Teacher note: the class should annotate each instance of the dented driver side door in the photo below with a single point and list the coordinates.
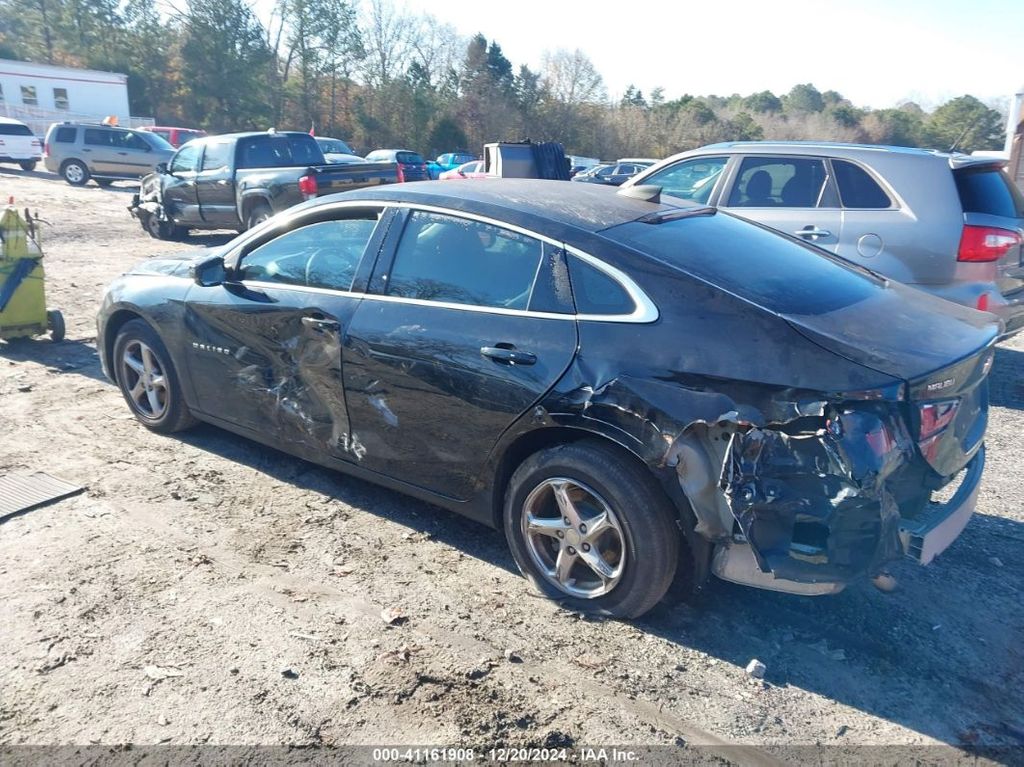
(264, 348)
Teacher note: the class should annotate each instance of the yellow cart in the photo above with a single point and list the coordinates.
(23, 311)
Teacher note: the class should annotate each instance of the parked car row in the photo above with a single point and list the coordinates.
(613, 174)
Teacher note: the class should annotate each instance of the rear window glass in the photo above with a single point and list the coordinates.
(856, 187)
(278, 151)
(65, 136)
(752, 262)
(988, 190)
(594, 292)
(411, 158)
(13, 129)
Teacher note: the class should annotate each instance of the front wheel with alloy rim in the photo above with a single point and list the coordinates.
(75, 172)
(148, 380)
(589, 526)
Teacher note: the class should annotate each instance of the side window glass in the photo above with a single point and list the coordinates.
(134, 141)
(217, 155)
(98, 137)
(321, 255)
(856, 187)
(595, 292)
(444, 258)
(778, 182)
(185, 160)
(65, 136)
(691, 179)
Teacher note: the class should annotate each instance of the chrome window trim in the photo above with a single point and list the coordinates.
(645, 310)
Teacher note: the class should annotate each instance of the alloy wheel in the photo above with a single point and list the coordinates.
(144, 379)
(574, 538)
(74, 173)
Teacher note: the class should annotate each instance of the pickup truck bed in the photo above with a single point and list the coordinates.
(235, 181)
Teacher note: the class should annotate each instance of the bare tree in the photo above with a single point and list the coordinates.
(388, 35)
(571, 78)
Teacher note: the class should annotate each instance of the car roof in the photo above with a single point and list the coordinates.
(522, 202)
(838, 149)
(10, 121)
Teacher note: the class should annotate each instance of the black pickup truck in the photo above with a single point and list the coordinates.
(236, 180)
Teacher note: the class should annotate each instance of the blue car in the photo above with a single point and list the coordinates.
(449, 161)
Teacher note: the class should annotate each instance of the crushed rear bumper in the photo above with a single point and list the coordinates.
(922, 539)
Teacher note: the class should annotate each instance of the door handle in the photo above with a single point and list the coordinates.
(813, 232)
(321, 324)
(222, 182)
(509, 356)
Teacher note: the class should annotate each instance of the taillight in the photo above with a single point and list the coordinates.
(46, 149)
(982, 304)
(308, 186)
(401, 173)
(981, 244)
(935, 417)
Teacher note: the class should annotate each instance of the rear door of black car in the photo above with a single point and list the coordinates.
(456, 338)
(264, 348)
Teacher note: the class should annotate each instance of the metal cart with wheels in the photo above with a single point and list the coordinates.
(23, 312)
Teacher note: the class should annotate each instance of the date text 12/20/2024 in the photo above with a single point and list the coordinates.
(463, 755)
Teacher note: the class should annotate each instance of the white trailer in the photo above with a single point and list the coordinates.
(41, 94)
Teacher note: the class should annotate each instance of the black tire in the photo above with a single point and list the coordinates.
(171, 413)
(647, 539)
(258, 213)
(75, 172)
(55, 323)
(103, 182)
(161, 230)
(28, 165)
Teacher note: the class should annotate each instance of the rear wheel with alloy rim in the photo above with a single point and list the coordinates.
(588, 525)
(148, 380)
(75, 172)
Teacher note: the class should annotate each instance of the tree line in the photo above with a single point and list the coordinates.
(380, 76)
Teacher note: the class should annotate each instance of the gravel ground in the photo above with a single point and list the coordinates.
(205, 589)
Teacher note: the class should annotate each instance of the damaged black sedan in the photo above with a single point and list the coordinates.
(637, 393)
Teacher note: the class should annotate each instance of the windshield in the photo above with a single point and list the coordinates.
(334, 146)
(752, 262)
(155, 141)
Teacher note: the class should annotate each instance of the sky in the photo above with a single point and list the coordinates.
(875, 53)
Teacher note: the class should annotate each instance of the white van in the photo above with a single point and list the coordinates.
(18, 144)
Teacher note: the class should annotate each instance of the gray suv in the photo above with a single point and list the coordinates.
(948, 224)
(104, 153)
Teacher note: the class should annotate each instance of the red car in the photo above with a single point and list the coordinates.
(175, 136)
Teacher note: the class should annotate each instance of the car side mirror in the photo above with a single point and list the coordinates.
(161, 167)
(209, 272)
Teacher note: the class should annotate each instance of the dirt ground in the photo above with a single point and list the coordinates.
(205, 589)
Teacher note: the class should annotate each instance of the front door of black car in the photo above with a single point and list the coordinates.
(214, 185)
(264, 348)
(445, 352)
(179, 193)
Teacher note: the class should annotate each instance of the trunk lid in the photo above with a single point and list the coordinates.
(943, 351)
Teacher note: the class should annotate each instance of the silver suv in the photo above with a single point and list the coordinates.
(105, 153)
(951, 225)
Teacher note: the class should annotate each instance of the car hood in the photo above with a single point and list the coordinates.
(900, 331)
(172, 264)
